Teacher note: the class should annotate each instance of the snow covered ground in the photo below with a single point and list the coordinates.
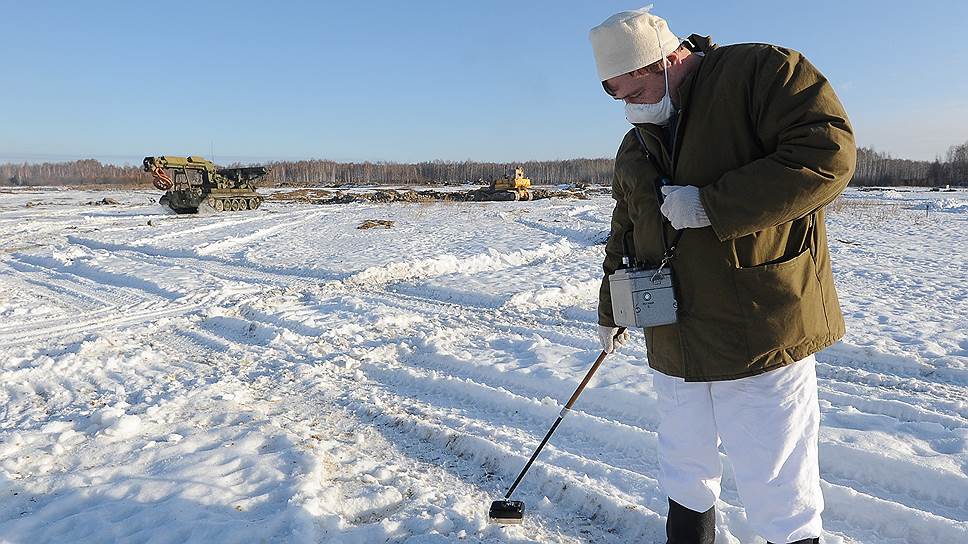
(280, 376)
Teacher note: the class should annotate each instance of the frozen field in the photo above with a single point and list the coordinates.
(280, 376)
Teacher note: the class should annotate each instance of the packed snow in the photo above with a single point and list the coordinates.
(282, 376)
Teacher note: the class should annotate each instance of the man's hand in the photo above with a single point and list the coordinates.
(683, 207)
(610, 339)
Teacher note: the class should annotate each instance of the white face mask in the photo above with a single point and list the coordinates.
(657, 114)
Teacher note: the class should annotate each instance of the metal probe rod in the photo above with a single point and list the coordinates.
(561, 415)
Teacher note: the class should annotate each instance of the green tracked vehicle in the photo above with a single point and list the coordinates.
(197, 183)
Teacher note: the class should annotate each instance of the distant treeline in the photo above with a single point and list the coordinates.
(540, 172)
(880, 169)
(87, 171)
(873, 168)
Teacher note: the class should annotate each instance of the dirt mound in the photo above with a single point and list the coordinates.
(374, 223)
(383, 196)
(103, 202)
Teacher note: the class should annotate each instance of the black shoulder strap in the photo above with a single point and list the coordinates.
(660, 181)
(662, 178)
(645, 149)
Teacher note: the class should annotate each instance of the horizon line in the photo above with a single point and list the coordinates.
(130, 160)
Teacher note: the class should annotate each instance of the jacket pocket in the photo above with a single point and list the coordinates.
(783, 304)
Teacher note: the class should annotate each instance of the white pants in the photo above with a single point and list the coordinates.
(768, 425)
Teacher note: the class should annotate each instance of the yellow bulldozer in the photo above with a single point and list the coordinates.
(511, 188)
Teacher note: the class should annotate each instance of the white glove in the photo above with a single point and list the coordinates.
(610, 340)
(683, 207)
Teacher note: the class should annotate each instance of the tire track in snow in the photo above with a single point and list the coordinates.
(448, 264)
(498, 408)
(629, 410)
(281, 225)
(18, 290)
(422, 394)
(898, 410)
(875, 474)
(573, 467)
(298, 407)
(110, 318)
(885, 521)
(107, 306)
(416, 432)
(953, 397)
(920, 496)
(569, 479)
(120, 281)
(606, 508)
(218, 223)
(867, 483)
(846, 356)
(80, 292)
(503, 320)
(928, 489)
(237, 269)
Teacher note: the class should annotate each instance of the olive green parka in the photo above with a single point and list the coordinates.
(762, 134)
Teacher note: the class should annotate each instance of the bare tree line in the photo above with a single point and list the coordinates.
(318, 172)
(873, 168)
(87, 171)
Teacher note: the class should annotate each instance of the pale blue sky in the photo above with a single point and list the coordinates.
(423, 80)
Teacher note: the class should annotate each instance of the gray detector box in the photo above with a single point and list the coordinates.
(642, 298)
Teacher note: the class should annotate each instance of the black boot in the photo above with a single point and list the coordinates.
(685, 526)
(804, 541)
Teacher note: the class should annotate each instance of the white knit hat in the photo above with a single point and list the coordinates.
(630, 40)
